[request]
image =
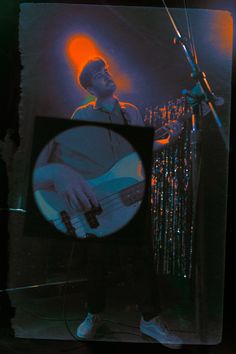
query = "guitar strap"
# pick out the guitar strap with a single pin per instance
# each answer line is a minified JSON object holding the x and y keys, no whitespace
{"x":123,"y":113}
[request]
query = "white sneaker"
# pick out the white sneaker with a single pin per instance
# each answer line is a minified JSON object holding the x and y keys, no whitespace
{"x":88,"y":328}
{"x":157,"y":330}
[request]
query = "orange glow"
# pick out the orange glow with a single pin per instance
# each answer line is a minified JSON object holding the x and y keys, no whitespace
{"x":163,"y":141}
{"x":140,"y":171}
{"x":80,"y":48}
{"x":154,"y":181}
{"x":222,"y":31}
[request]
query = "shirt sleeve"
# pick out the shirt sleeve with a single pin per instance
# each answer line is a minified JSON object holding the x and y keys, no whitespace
{"x":46,"y":153}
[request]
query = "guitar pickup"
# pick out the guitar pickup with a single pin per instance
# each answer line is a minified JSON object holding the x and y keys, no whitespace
{"x":91,"y":216}
{"x":97,"y":210}
{"x":65,"y":218}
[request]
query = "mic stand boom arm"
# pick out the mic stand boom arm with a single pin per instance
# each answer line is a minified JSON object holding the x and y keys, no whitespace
{"x":200,"y":78}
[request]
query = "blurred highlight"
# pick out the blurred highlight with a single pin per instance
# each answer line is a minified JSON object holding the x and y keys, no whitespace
{"x":80,"y":48}
{"x":222,"y":32}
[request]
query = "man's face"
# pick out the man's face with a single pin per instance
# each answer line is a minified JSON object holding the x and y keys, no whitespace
{"x":102,"y":83}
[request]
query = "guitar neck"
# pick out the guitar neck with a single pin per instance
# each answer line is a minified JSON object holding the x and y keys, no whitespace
{"x":162,"y":132}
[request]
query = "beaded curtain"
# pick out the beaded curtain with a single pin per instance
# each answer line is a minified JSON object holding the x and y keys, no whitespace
{"x":171,"y":194}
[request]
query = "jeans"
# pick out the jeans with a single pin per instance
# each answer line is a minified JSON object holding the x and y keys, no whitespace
{"x":145,"y":279}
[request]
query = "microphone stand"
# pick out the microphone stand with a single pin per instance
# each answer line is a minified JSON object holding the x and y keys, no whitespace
{"x":206,"y":95}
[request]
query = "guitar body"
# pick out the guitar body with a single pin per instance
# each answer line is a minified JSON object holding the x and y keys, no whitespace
{"x":111,"y":189}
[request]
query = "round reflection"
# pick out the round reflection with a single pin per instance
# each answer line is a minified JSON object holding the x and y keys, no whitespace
{"x":88,"y":182}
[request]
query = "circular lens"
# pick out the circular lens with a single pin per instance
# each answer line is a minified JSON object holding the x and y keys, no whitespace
{"x":88,"y":182}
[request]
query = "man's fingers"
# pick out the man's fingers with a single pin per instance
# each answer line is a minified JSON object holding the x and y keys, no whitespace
{"x":75,"y":203}
{"x":72,"y":201}
{"x":175,"y":127}
{"x":90,"y":195}
{"x":83,"y":199}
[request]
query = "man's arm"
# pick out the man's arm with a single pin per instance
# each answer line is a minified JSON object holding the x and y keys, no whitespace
{"x":44,"y":175}
{"x":157,"y":144}
{"x":67,"y":183}
{"x":63,"y":179}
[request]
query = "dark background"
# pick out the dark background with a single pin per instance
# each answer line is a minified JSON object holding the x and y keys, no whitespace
{"x":10,"y":74}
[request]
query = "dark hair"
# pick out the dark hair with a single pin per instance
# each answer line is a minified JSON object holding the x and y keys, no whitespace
{"x":91,"y":67}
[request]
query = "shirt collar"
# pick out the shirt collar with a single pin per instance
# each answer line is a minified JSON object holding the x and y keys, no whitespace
{"x":104,"y":109}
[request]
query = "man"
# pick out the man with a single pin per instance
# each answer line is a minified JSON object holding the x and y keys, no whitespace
{"x":96,"y":79}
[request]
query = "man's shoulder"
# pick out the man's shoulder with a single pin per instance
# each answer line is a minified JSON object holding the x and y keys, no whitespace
{"x":132,"y":113}
{"x":128,"y":106}
{"x":81,"y":111}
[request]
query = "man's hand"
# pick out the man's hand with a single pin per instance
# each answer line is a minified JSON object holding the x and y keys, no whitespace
{"x":174,"y":128}
{"x":173,"y":131}
{"x":71,"y":186}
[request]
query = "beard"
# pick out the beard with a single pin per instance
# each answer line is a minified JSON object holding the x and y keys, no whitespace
{"x":108,"y":90}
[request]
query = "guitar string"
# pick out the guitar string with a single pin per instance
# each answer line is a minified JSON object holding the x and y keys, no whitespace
{"x":109,"y":199}
{"x":111,"y":209}
{"x":110,"y":204}
{"x":115,"y":201}
{"x":81,"y":222}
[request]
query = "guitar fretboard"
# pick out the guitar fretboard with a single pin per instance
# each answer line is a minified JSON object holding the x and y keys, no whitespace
{"x":178,"y":110}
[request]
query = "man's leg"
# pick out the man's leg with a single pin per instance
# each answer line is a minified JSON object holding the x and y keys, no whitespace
{"x":149,"y":300}
{"x":96,"y":271}
{"x":145,"y":279}
{"x":96,"y":290}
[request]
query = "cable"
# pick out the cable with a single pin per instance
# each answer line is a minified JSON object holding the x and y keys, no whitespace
{"x":123,"y":332}
{"x":64,"y":319}
{"x":37,"y":286}
{"x":190,"y":34}
{"x":119,"y":323}
{"x":17,"y":210}
{"x":55,"y":319}
{"x":114,"y":197}
{"x":171,"y":19}
{"x":188,"y":26}
{"x":65,"y":293}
